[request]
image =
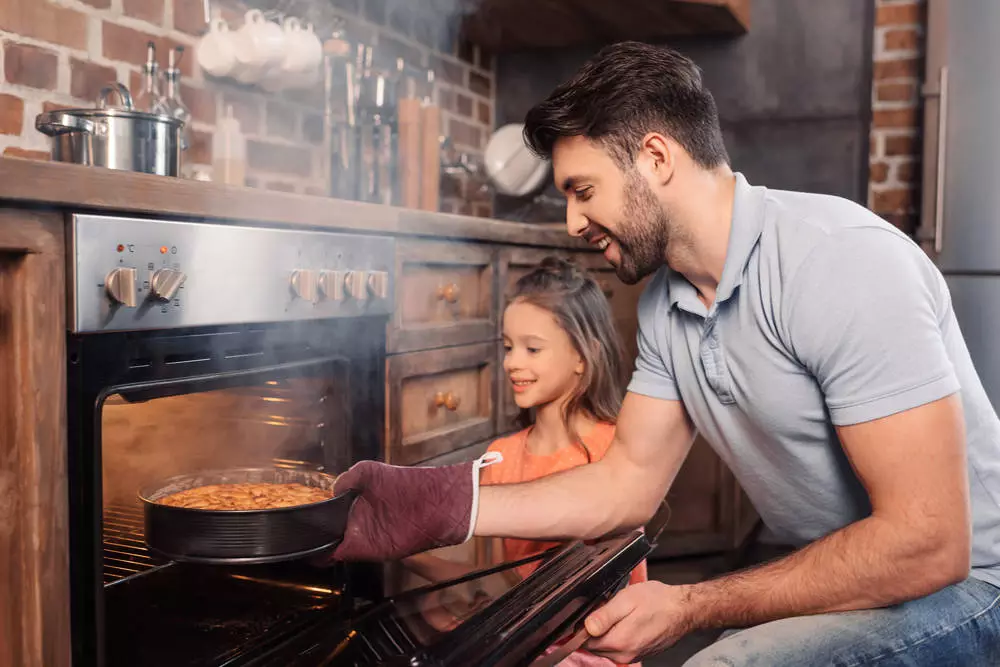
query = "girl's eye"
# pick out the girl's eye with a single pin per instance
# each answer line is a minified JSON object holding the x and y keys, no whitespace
{"x":507,"y":349}
{"x":533,"y":350}
{"x":583,"y":194}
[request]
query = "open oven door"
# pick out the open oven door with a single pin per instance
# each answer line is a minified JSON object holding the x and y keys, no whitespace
{"x":488,"y":618}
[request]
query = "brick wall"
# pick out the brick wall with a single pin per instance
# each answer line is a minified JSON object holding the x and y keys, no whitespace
{"x":59,"y":53}
{"x":894,"y":186}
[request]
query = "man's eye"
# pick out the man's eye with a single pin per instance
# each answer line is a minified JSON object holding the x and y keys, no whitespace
{"x":583,"y":194}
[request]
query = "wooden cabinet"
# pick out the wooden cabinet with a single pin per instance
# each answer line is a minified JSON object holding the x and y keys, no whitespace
{"x":439,"y":401}
{"x":445,"y":295}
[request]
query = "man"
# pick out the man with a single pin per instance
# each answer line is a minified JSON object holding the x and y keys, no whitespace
{"x":812,"y":344}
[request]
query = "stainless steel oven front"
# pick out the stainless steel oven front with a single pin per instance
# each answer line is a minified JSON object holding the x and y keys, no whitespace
{"x":197,"y":346}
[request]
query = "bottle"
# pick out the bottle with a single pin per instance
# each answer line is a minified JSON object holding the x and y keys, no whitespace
{"x":149,"y":98}
{"x":172,"y":104}
{"x":229,"y":151}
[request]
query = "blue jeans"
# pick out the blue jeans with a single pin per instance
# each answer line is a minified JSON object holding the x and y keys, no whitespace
{"x":957,"y":626}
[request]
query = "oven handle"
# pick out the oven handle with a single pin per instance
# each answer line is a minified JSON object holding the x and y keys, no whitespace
{"x":574,"y":644}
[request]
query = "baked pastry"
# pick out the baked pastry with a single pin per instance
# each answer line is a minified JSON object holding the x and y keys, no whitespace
{"x":246,"y":496}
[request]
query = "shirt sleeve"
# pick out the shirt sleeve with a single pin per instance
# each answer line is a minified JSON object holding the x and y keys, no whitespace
{"x":865,"y":317}
{"x":652,"y":376}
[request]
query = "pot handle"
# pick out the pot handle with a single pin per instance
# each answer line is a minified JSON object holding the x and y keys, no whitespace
{"x":55,"y":123}
{"x":115,"y":87}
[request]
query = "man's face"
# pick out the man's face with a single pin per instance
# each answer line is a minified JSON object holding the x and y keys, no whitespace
{"x":611,"y":209}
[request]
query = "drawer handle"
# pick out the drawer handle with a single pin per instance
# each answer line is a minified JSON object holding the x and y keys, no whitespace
{"x":449,"y":400}
{"x":448,"y":293}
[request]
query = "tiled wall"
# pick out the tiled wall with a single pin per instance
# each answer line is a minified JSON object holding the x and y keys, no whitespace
{"x":898,"y":49}
{"x":58,"y":53}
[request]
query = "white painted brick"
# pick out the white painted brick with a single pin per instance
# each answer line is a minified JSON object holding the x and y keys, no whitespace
{"x":63,"y":72}
{"x":95,"y":38}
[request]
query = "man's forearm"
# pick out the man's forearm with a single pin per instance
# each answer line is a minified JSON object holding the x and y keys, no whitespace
{"x":865,"y":565}
{"x":584,"y":502}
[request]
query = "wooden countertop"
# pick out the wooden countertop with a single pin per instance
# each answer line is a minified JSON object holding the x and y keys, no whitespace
{"x":91,"y":189}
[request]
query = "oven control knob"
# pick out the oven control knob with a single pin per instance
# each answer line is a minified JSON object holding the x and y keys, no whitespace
{"x":378,"y":283}
{"x":165,"y":283}
{"x":120,"y":285}
{"x":331,"y":284}
{"x":304,"y":285}
{"x":357,"y":284}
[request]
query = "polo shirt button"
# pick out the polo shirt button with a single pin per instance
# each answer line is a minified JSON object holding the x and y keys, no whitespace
{"x":713,"y":342}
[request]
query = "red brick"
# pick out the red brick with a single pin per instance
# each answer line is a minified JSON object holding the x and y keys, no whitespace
{"x":278,"y":158}
{"x":279,"y":186}
{"x":55,"y":106}
{"x":463,"y":104}
{"x":42,"y":20}
{"x":200,"y":150}
{"x":872,"y":145}
{"x":485,"y":117}
{"x":894,"y":201}
{"x":446,"y":99}
{"x":145,"y":10}
{"x":479,"y":84}
{"x":282,"y":120}
{"x":899,"y":14}
{"x":448,"y":71}
{"x":903,"y":39}
{"x":879,"y":172}
{"x":464,"y":134}
{"x":901,"y":145}
{"x":901,"y":68}
{"x":189,"y":16}
{"x":11,"y":114}
{"x":23,"y":153}
{"x":246,"y":109}
{"x":30,"y":66}
{"x":312,"y":128}
{"x":896,"y":92}
{"x":129,"y":45}
{"x":907,"y":172}
{"x":87,"y":78}
{"x":901,"y":118}
{"x":200,"y":102}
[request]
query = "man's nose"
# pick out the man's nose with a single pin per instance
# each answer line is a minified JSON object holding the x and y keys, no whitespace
{"x":576,"y":222}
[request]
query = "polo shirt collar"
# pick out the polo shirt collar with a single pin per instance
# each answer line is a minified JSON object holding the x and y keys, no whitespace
{"x":744,"y":233}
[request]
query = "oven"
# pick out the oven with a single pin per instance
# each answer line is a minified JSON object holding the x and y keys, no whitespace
{"x":196,"y":346}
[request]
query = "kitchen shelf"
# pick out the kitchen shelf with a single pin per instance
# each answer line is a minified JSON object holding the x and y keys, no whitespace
{"x":508,"y":25}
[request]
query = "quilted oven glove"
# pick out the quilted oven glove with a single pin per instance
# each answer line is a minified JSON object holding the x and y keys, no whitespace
{"x":401,"y":510}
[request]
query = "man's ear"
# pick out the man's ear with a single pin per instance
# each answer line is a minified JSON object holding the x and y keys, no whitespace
{"x":656,"y":158}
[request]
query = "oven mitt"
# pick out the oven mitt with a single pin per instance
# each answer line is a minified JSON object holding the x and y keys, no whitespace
{"x":401,"y":510}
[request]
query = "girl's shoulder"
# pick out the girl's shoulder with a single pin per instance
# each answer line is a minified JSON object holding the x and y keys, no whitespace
{"x":509,"y":443}
{"x":598,"y":440}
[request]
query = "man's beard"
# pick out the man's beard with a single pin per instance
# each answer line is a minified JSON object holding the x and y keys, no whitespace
{"x":642,"y":233}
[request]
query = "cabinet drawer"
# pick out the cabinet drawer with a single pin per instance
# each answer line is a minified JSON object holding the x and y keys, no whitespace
{"x":624,"y":299}
{"x":445,"y":295}
{"x":439,"y":401}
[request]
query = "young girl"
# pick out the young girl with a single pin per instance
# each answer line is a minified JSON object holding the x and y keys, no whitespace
{"x":564,"y":361}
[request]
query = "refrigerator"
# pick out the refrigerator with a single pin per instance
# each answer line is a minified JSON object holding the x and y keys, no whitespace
{"x":960,"y":206}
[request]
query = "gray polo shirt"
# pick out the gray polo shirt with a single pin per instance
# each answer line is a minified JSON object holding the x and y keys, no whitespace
{"x":825,"y":315}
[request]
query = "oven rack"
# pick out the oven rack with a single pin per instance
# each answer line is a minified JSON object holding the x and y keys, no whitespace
{"x":125,"y":551}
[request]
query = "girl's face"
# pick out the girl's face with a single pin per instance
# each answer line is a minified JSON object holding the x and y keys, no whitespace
{"x":540,"y":360}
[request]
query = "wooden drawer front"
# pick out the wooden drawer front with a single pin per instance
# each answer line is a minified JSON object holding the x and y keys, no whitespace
{"x":439,"y":401}
{"x":624,"y":299}
{"x":445,"y":295}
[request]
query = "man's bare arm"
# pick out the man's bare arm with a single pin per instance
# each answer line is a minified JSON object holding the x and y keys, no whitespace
{"x":916,"y":541}
{"x":622,"y":490}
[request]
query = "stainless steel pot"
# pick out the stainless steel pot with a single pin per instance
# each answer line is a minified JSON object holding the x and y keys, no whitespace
{"x":115,"y":137}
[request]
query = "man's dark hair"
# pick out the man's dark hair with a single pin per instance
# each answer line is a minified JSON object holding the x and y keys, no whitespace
{"x":624,"y":92}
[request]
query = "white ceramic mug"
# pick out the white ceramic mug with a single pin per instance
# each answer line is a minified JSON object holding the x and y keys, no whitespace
{"x":260,"y":45}
{"x":216,"y":51}
{"x":303,"y":49}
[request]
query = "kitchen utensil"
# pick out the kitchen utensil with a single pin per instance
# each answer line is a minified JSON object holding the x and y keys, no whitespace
{"x":116,"y":138}
{"x":511,"y":166}
{"x":244,"y":536}
{"x":408,"y":117}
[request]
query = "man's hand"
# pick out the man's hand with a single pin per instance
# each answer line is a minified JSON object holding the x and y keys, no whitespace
{"x":401,"y":511}
{"x":642,"y":619}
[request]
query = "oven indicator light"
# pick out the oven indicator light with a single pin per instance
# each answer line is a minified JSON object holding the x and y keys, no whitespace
{"x":121,"y":248}
{"x":163,"y":250}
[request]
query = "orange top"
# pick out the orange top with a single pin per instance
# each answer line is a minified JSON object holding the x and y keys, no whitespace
{"x":520,"y":465}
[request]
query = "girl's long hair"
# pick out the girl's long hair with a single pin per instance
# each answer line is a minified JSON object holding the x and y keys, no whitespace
{"x":576,"y":301}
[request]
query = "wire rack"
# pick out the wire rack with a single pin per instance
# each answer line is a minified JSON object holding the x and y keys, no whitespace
{"x":125,"y":552}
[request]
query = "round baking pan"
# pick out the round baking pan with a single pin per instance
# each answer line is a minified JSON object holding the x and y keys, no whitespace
{"x":244,"y":536}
